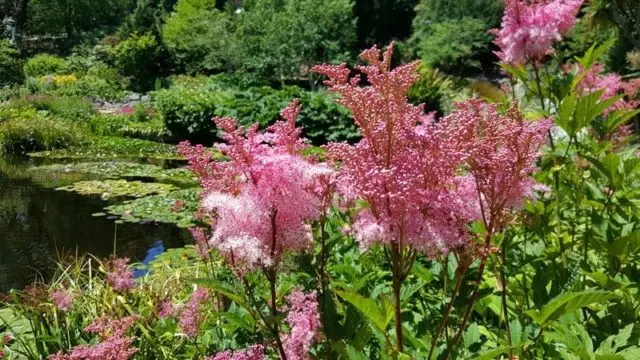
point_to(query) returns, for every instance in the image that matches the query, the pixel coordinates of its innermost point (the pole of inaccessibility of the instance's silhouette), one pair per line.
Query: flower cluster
(304, 320)
(404, 166)
(263, 197)
(594, 80)
(529, 28)
(255, 352)
(63, 299)
(190, 314)
(119, 276)
(115, 345)
(501, 152)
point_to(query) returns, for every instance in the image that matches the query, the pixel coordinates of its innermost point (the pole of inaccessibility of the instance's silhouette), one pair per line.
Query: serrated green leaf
(566, 303)
(378, 317)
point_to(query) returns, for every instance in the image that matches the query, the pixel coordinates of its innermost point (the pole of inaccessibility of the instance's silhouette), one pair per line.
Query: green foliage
(281, 40)
(187, 110)
(10, 64)
(128, 126)
(22, 135)
(137, 58)
(433, 89)
(456, 46)
(44, 64)
(198, 36)
(453, 35)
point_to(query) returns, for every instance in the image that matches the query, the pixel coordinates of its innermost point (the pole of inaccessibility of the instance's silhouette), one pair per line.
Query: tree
(380, 21)
(452, 34)
(198, 36)
(10, 67)
(282, 39)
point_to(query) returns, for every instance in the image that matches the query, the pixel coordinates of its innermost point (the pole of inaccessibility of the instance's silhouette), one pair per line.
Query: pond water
(39, 225)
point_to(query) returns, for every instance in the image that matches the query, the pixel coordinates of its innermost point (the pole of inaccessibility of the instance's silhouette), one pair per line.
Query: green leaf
(566, 303)
(565, 115)
(495, 353)
(223, 289)
(614, 342)
(379, 317)
(353, 354)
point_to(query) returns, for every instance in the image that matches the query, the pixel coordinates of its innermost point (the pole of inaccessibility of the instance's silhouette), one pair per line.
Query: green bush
(9, 64)
(128, 126)
(137, 58)
(22, 135)
(455, 46)
(65, 107)
(90, 86)
(187, 110)
(44, 64)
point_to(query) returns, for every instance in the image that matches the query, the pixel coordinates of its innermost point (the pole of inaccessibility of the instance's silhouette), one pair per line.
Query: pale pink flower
(255, 352)
(304, 319)
(119, 276)
(167, 309)
(115, 345)
(262, 199)
(529, 28)
(191, 314)
(63, 299)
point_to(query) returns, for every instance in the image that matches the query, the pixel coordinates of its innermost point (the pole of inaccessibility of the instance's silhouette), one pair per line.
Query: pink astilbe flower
(63, 299)
(404, 166)
(119, 276)
(529, 28)
(115, 345)
(191, 314)
(304, 320)
(613, 85)
(112, 348)
(255, 352)
(167, 309)
(502, 151)
(263, 198)
(202, 241)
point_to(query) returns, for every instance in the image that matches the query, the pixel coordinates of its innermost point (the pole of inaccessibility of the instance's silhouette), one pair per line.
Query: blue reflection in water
(156, 249)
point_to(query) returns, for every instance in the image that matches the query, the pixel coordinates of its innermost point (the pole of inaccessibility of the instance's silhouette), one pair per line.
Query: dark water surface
(38, 225)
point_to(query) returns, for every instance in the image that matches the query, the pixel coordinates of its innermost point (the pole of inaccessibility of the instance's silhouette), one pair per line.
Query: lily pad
(109, 189)
(120, 169)
(176, 207)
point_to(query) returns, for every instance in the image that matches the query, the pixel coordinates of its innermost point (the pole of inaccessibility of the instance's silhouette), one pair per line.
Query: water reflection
(39, 225)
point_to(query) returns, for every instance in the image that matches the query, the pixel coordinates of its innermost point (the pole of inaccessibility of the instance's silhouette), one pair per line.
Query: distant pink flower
(264, 197)
(255, 352)
(63, 299)
(202, 241)
(115, 344)
(404, 166)
(595, 79)
(105, 326)
(178, 205)
(119, 276)
(191, 314)
(167, 309)
(112, 348)
(304, 320)
(7, 338)
(529, 28)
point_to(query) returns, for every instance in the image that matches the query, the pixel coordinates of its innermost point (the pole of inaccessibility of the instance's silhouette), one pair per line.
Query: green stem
(446, 314)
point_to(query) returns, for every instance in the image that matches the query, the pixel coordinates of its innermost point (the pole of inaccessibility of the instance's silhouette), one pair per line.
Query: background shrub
(138, 58)
(9, 64)
(22, 135)
(433, 89)
(44, 64)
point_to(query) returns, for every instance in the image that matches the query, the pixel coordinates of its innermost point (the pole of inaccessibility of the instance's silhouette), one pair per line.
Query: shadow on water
(38, 225)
